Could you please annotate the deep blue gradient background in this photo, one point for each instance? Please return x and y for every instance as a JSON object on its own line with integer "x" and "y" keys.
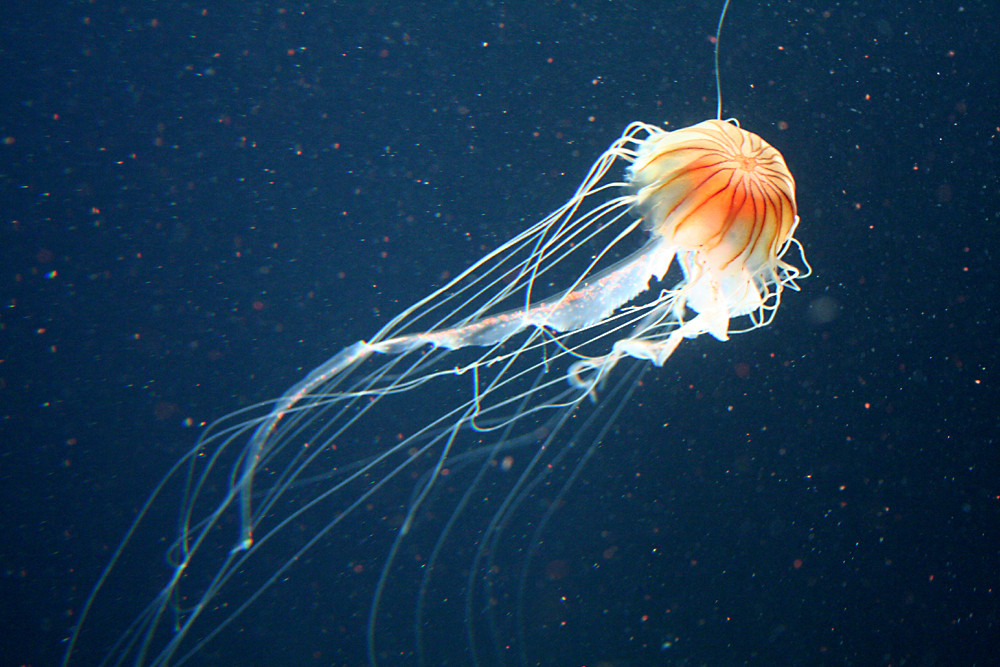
{"x": 200, "y": 202}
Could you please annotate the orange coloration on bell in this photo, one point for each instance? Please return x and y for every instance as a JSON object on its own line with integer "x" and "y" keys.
{"x": 718, "y": 190}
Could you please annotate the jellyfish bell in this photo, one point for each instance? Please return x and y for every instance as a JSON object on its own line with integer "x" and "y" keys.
{"x": 724, "y": 199}
{"x": 718, "y": 190}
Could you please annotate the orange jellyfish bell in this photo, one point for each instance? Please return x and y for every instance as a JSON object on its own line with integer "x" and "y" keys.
{"x": 716, "y": 189}
{"x": 724, "y": 200}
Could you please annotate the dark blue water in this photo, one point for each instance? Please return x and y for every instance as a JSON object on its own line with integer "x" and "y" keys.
{"x": 199, "y": 204}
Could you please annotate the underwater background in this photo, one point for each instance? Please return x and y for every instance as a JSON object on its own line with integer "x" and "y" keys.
{"x": 199, "y": 202}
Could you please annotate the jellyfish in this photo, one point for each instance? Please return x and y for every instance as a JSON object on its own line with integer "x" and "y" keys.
{"x": 508, "y": 375}
{"x": 493, "y": 365}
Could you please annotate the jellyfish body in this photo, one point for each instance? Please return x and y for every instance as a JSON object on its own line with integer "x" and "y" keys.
{"x": 496, "y": 360}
